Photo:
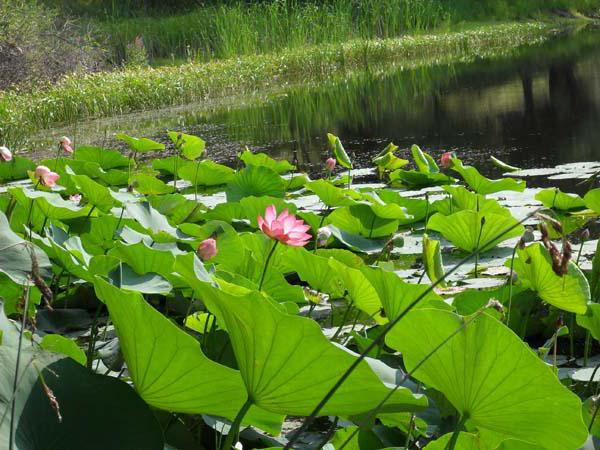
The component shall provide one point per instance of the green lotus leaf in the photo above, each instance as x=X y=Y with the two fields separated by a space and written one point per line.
x=148 y=283
x=463 y=199
x=140 y=145
x=483 y=185
x=262 y=159
x=94 y=193
x=356 y=242
x=389 y=161
x=424 y=162
x=168 y=369
x=288 y=365
x=255 y=181
x=16 y=255
x=387 y=210
x=151 y=220
x=416 y=179
x=570 y=292
x=50 y=204
x=177 y=208
x=556 y=199
x=470 y=230
x=396 y=295
x=491 y=377
x=464 y=441
x=149 y=185
x=338 y=151
x=502 y=165
x=170 y=164
x=105 y=158
x=416 y=208
x=15 y=169
x=192 y=147
x=592 y=200
x=362 y=220
x=333 y=196
x=432 y=260
x=206 y=173
x=143 y=259
x=56 y=343
x=591 y=320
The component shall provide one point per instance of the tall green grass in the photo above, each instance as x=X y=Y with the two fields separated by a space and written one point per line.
x=244 y=28
x=105 y=94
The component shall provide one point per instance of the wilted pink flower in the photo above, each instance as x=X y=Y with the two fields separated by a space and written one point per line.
x=285 y=228
x=207 y=249
x=330 y=163
x=66 y=144
x=5 y=153
x=75 y=198
x=446 y=160
x=46 y=176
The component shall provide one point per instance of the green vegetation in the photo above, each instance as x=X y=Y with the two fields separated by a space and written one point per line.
x=104 y=94
x=147 y=304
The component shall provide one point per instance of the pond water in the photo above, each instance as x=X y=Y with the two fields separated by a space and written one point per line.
x=535 y=107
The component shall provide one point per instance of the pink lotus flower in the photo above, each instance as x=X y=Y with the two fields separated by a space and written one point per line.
x=75 y=198
x=66 y=144
x=284 y=228
x=446 y=160
x=330 y=164
x=5 y=153
x=46 y=176
x=207 y=249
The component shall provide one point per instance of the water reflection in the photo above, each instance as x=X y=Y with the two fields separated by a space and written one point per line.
x=540 y=106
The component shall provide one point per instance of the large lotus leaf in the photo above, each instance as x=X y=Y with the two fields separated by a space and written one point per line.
x=344 y=256
x=416 y=208
x=16 y=169
x=461 y=199
x=228 y=212
x=140 y=145
x=149 y=185
x=432 y=260
x=424 y=162
x=470 y=230
x=331 y=195
x=50 y=204
x=177 y=208
x=16 y=255
x=570 y=292
x=255 y=181
x=338 y=151
x=389 y=161
x=192 y=147
x=591 y=320
x=387 y=210
x=56 y=343
x=167 y=366
x=169 y=164
x=127 y=278
x=464 y=441
x=67 y=253
x=151 y=220
x=396 y=295
x=416 y=179
x=288 y=365
x=143 y=259
x=356 y=242
x=491 y=377
x=94 y=193
x=89 y=404
x=105 y=158
x=262 y=159
x=592 y=200
x=359 y=289
x=483 y=185
x=556 y=199
x=206 y=173
x=362 y=220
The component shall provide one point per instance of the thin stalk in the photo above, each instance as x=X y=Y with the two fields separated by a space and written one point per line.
x=459 y=427
x=349 y=179
x=379 y=339
x=346 y=314
x=176 y=168
x=13 y=404
x=593 y=418
x=572 y=335
x=90 y=213
x=235 y=426
x=478 y=242
x=586 y=348
x=92 y=343
x=57 y=158
x=510 y=283
x=196 y=182
x=264 y=272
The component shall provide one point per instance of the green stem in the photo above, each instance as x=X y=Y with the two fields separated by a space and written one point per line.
x=176 y=168
x=264 y=272
x=349 y=179
x=346 y=314
x=572 y=335
x=593 y=418
x=92 y=343
x=510 y=284
x=196 y=182
x=459 y=427
x=586 y=349
x=90 y=213
x=235 y=426
x=479 y=242
x=13 y=405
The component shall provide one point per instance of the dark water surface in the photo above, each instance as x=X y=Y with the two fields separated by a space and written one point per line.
x=538 y=107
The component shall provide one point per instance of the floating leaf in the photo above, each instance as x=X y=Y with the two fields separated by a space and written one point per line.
x=415 y=179
x=497 y=384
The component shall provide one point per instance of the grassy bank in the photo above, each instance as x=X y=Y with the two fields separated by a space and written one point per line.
x=242 y=28
x=105 y=94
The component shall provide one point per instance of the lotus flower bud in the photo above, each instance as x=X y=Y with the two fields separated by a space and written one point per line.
x=323 y=236
x=46 y=176
x=446 y=160
x=5 y=153
x=207 y=249
x=330 y=163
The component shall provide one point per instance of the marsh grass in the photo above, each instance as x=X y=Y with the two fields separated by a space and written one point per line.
x=105 y=94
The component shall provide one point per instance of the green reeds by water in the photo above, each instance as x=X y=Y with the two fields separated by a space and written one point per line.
x=78 y=97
